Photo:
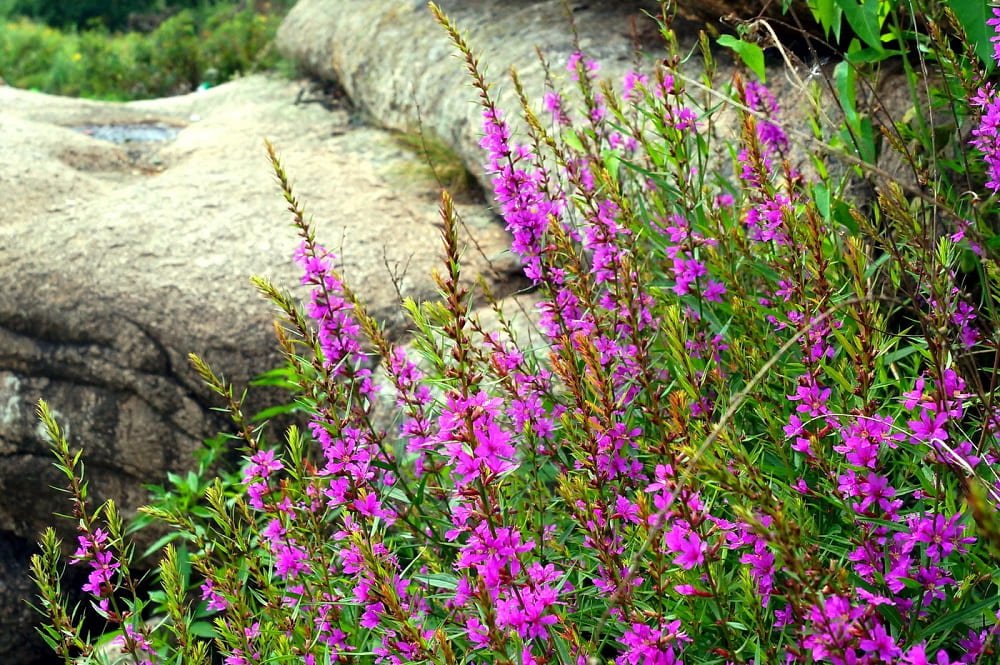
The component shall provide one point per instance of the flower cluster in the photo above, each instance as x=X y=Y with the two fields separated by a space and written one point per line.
x=726 y=445
x=986 y=136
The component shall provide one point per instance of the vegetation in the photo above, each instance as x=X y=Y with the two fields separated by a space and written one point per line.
x=189 y=47
x=759 y=423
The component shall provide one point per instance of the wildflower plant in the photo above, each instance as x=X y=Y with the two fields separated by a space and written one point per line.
x=760 y=428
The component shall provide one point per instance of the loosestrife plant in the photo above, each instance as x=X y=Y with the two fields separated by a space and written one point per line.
x=757 y=424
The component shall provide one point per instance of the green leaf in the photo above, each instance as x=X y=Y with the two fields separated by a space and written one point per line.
x=439 y=581
x=869 y=55
x=821 y=195
x=845 y=80
x=863 y=17
x=202 y=629
x=751 y=54
x=972 y=16
x=828 y=15
x=282 y=377
x=866 y=140
x=272 y=411
x=160 y=542
x=973 y=614
x=612 y=162
x=842 y=215
x=570 y=138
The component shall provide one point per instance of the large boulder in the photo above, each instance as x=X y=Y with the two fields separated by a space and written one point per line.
x=120 y=259
x=419 y=83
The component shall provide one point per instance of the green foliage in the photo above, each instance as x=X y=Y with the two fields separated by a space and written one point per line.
x=112 y=14
x=763 y=426
x=190 y=48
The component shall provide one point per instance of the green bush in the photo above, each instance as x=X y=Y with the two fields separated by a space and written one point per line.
x=194 y=46
x=758 y=425
x=28 y=51
x=112 y=14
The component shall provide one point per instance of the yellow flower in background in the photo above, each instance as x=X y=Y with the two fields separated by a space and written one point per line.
x=76 y=57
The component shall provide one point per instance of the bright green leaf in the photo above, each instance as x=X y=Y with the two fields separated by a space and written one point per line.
x=751 y=54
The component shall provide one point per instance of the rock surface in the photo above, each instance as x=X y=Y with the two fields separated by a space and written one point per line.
x=420 y=83
x=119 y=260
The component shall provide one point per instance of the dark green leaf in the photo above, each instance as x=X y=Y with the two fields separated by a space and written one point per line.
x=973 y=614
x=862 y=15
x=972 y=15
x=202 y=629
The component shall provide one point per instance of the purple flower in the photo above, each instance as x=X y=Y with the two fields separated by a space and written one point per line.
x=687 y=545
x=942 y=535
x=761 y=562
x=917 y=655
x=986 y=136
x=880 y=643
x=262 y=464
x=216 y=602
x=134 y=642
x=812 y=398
x=290 y=560
x=644 y=645
x=929 y=428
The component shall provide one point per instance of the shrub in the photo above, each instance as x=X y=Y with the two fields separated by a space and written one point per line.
x=79 y=13
x=27 y=51
x=761 y=428
x=211 y=45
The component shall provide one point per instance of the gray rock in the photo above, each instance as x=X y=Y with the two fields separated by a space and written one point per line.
x=19 y=643
x=419 y=81
x=120 y=259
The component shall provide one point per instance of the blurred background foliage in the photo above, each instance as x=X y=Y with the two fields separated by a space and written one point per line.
x=135 y=49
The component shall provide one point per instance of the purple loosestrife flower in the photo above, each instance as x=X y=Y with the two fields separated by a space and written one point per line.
x=766 y=221
x=490 y=452
x=216 y=601
x=89 y=544
x=645 y=645
x=290 y=560
x=262 y=464
x=917 y=655
x=941 y=535
x=930 y=428
x=986 y=136
x=759 y=98
x=523 y=204
x=134 y=642
x=634 y=84
x=686 y=544
x=832 y=628
x=995 y=38
x=338 y=329
x=880 y=644
x=601 y=239
x=527 y=611
x=102 y=573
x=553 y=102
x=94 y=550
x=863 y=438
x=811 y=397
x=762 y=570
